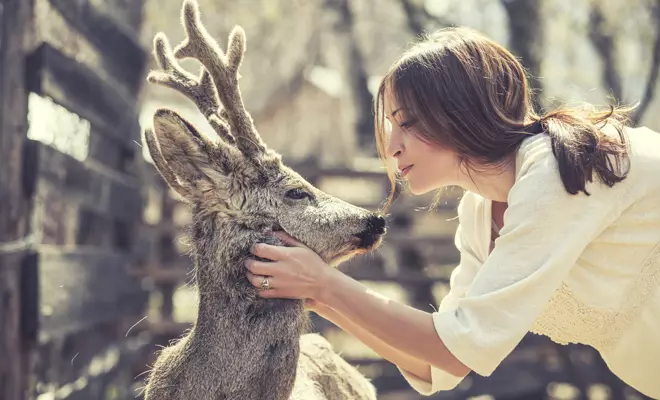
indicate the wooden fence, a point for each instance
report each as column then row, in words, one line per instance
column 70, row 73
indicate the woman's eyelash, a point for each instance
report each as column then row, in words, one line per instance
column 407, row 124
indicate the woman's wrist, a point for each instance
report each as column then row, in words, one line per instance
column 322, row 310
column 330, row 280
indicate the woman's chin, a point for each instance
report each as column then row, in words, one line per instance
column 419, row 190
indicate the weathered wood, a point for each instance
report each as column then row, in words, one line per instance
column 513, row 384
column 30, row 297
column 77, row 302
column 121, row 50
column 88, row 373
column 77, row 88
column 97, row 189
column 15, row 25
column 84, row 287
column 112, row 153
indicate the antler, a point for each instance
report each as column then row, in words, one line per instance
column 200, row 90
column 224, row 71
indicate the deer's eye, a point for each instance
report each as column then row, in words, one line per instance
column 297, row 194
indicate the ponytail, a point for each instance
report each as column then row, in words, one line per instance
column 582, row 148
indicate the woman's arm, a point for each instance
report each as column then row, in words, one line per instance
column 416, row 367
column 393, row 324
column 399, row 326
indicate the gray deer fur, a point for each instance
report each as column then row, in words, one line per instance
column 243, row 346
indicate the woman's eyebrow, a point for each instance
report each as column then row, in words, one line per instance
column 396, row 111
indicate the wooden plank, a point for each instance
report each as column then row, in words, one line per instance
column 65, row 358
column 516, row 380
column 98, row 189
column 83, row 287
column 121, row 49
column 111, row 153
column 110, row 371
column 82, row 91
column 15, row 200
column 407, row 254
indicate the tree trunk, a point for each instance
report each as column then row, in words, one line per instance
column 419, row 20
column 526, row 33
column 652, row 79
column 603, row 42
column 355, row 73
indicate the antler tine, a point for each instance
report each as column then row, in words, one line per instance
column 200, row 90
column 161, row 165
column 236, row 48
column 224, row 70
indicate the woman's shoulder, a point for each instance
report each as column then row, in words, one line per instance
column 470, row 205
column 644, row 146
column 534, row 151
column 538, row 177
column 641, row 140
column 471, row 213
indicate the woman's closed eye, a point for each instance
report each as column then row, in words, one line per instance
column 407, row 124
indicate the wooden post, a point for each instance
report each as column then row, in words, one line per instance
column 15, row 21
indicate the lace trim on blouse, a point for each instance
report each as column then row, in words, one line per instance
column 568, row 319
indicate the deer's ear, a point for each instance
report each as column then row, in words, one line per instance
column 181, row 153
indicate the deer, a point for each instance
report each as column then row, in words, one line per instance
column 243, row 346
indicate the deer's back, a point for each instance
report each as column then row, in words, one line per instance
column 323, row 375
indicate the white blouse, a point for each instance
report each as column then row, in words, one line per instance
column 576, row 268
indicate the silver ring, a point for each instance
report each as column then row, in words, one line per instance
column 265, row 285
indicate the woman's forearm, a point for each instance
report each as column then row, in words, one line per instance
column 402, row 360
column 409, row 330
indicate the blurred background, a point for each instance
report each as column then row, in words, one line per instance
column 94, row 274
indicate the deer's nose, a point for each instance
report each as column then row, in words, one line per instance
column 376, row 225
column 374, row 231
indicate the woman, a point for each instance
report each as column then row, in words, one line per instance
column 559, row 229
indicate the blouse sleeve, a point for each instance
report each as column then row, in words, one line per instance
column 545, row 231
column 459, row 282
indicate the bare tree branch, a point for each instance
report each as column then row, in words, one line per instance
column 414, row 17
column 419, row 19
column 526, row 35
column 358, row 85
column 603, row 42
column 652, row 80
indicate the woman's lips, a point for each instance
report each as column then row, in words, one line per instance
column 405, row 171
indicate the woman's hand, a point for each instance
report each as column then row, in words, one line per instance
column 294, row 272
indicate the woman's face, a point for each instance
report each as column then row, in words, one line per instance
column 426, row 166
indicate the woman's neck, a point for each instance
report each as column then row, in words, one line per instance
column 493, row 183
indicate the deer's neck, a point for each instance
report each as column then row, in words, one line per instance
column 234, row 324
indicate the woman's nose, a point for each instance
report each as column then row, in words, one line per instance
column 394, row 146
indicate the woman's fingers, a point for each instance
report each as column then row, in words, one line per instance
column 288, row 239
column 260, row 267
column 263, row 250
column 272, row 292
column 258, row 280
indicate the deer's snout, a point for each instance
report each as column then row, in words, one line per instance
column 376, row 228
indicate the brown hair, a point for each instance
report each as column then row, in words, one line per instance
column 467, row 93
